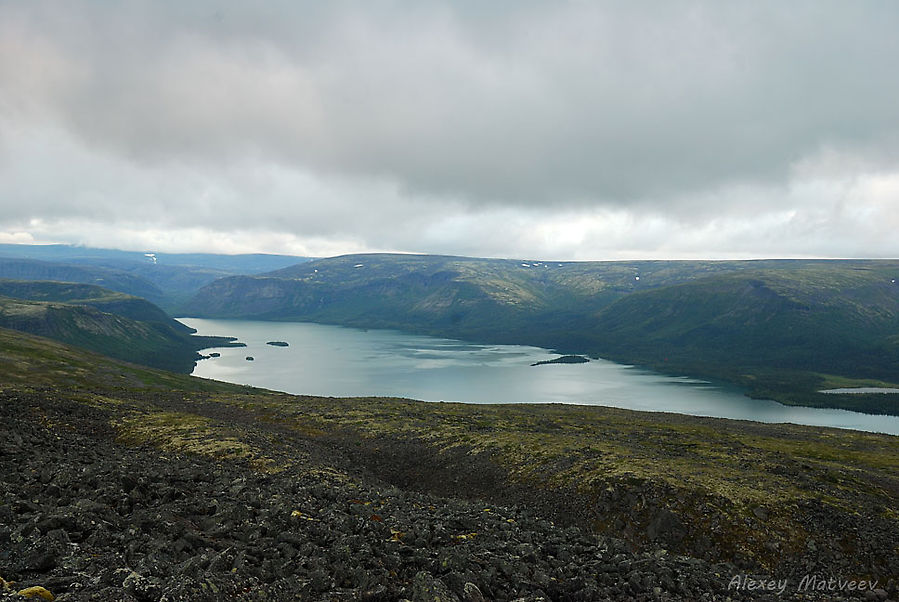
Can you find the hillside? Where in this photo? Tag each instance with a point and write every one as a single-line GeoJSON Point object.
{"type": "Point", "coordinates": [782, 328]}
{"type": "Point", "coordinates": [169, 486]}
{"type": "Point", "coordinates": [544, 303]}
{"type": "Point", "coordinates": [100, 298]}
{"type": "Point", "coordinates": [158, 341]}
{"type": "Point", "coordinates": [805, 323]}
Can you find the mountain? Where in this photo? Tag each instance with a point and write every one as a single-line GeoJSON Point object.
{"type": "Point", "coordinates": [117, 280]}
{"type": "Point", "coordinates": [105, 300]}
{"type": "Point", "coordinates": [828, 318]}
{"type": "Point", "coordinates": [114, 324]}
{"type": "Point", "coordinates": [251, 263]}
{"type": "Point", "coordinates": [779, 327]}
{"type": "Point", "coordinates": [784, 335]}
{"type": "Point", "coordinates": [168, 279]}
{"type": "Point", "coordinates": [486, 299]}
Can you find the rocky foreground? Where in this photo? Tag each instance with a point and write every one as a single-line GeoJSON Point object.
{"type": "Point", "coordinates": [85, 517]}
{"type": "Point", "coordinates": [125, 483]}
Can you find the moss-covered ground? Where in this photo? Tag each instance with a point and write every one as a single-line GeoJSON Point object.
{"type": "Point", "coordinates": [757, 494]}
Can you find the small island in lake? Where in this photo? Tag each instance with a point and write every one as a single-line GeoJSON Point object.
{"type": "Point", "coordinates": [565, 359]}
{"type": "Point", "coordinates": [278, 343]}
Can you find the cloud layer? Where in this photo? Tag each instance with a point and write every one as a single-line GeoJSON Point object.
{"type": "Point", "coordinates": [562, 130]}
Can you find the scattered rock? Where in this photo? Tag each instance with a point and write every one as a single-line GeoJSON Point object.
{"type": "Point", "coordinates": [666, 527]}
{"type": "Point", "coordinates": [427, 588]}
{"type": "Point", "coordinates": [92, 519]}
{"type": "Point", "coordinates": [140, 587]}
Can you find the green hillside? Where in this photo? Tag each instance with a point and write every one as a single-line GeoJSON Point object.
{"type": "Point", "coordinates": [103, 322]}
{"type": "Point", "coordinates": [105, 300]}
{"type": "Point", "coordinates": [783, 328]}
{"type": "Point", "coordinates": [545, 303]}
{"type": "Point", "coordinates": [773, 331]}
{"type": "Point", "coordinates": [168, 279]}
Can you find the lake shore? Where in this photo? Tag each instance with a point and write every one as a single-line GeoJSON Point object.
{"type": "Point", "coordinates": [341, 361]}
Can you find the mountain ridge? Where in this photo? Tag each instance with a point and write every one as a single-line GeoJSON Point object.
{"type": "Point", "coordinates": [108, 322]}
{"type": "Point", "coordinates": [167, 279]}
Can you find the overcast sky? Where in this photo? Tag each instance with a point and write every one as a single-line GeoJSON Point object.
{"type": "Point", "coordinates": [555, 130]}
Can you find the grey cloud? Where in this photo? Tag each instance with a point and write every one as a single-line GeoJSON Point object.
{"type": "Point", "coordinates": [538, 103]}
{"type": "Point", "coordinates": [562, 129]}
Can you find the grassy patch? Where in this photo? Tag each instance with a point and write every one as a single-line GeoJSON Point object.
{"type": "Point", "coordinates": [190, 433]}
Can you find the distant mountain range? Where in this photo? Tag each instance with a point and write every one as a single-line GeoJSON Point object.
{"type": "Point", "coordinates": [168, 279]}
{"type": "Point", "coordinates": [113, 279]}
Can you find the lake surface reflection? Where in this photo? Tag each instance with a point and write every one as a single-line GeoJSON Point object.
{"type": "Point", "coordinates": [341, 362]}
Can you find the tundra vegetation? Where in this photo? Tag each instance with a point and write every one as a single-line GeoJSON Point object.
{"type": "Point", "coordinates": [656, 501]}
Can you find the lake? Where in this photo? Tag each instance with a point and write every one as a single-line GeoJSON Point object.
{"type": "Point", "coordinates": [345, 362]}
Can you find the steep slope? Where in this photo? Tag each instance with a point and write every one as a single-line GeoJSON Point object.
{"type": "Point", "coordinates": [779, 333]}
{"type": "Point", "coordinates": [429, 294]}
{"type": "Point", "coordinates": [155, 344]}
{"type": "Point", "coordinates": [105, 300]}
{"type": "Point", "coordinates": [449, 289]}
{"type": "Point", "coordinates": [825, 319]}
{"type": "Point", "coordinates": [746, 308]}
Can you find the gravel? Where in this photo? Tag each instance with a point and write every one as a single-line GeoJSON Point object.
{"type": "Point", "coordinates": [88, 518]}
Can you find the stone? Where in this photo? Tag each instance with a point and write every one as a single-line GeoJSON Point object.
{"type": "Point", "coordinates": [427, 588]}
{"type": "Point", "coordinates": [37, 592]}
{"type": "Point", "coordinates": [472, 593]}
{"type": "Point", "coordinates": [140, 587]}
{"type": "Point", "coordinates": [666, 526]}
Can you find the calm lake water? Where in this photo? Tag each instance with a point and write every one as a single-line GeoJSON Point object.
{"type": "Point", "coordinates": [341, 362]}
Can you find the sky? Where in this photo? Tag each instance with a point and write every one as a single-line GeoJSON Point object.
{"type": "Point", "coordinates": [527, 129]}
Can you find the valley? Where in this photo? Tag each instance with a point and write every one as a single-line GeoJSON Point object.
{"type": "Point", "coordinates": [782, 329]}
